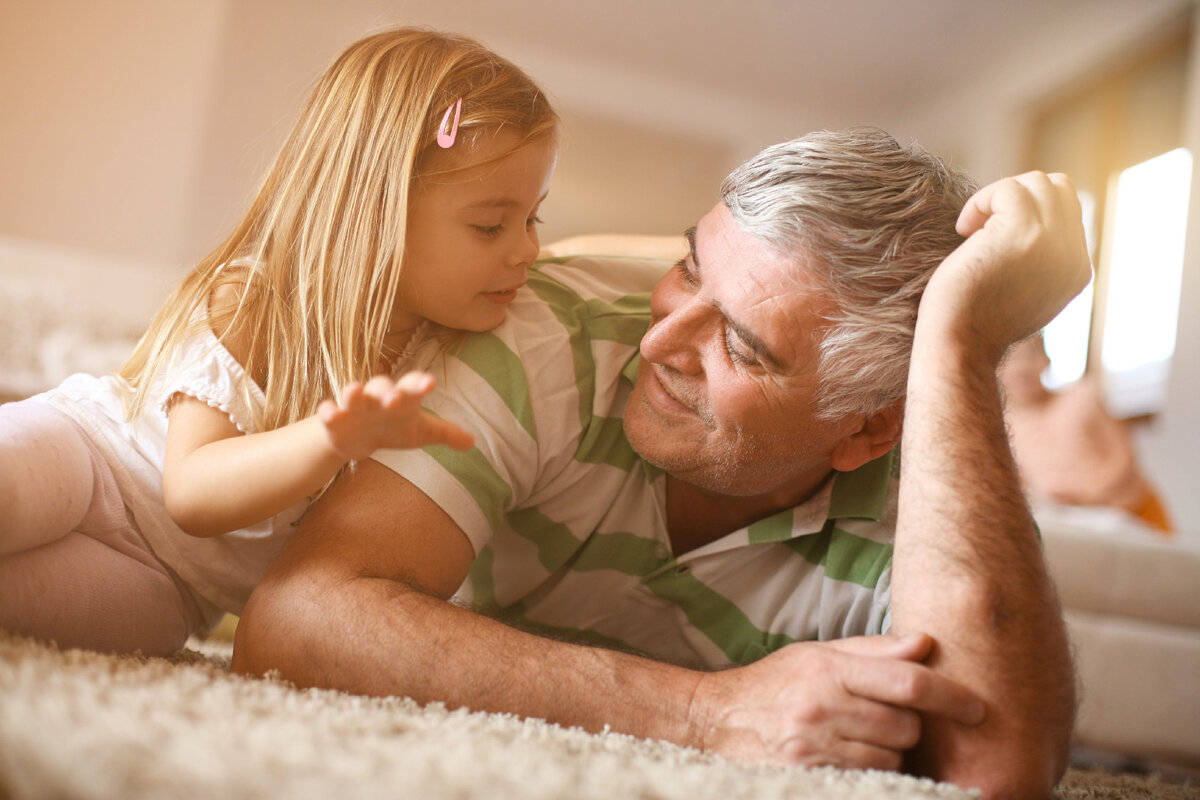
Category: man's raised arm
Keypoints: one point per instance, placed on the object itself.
(968, 566)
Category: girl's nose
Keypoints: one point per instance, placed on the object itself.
(526, 249)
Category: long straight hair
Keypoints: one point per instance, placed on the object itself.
(317, 258)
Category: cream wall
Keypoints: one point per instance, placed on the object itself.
(104, 108)
(1172, 443)
(139, 128)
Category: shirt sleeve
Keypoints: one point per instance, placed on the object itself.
(203, 369)
(484, 386)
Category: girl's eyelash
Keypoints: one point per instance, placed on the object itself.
(495, 230)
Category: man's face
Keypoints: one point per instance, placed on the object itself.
(725, 393)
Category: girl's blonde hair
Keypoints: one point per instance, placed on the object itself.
(324, 237)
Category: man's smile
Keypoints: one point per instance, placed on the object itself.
(664, 399)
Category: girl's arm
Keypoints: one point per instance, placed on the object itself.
(217, 479)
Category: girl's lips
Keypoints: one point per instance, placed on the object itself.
(504, 296)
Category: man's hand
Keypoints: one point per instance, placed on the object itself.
(850, 703)
(1024, 258)
(385, 414)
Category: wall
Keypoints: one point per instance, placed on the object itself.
(139, 129)
(1171, 444)
(104, 109)
(142, 128)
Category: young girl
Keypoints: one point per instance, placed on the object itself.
(137, 509)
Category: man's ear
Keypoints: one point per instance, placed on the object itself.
(879, 433)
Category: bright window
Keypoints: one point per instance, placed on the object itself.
(1066, 337)
(1147, 261)
(1118, 136)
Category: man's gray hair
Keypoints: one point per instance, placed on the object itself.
(873, 220)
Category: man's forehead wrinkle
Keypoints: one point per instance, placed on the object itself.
(782, 318)
(748, 334)
(738, 323)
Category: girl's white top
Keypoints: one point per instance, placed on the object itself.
(221, 569)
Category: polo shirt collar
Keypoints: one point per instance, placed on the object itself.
(860, 494)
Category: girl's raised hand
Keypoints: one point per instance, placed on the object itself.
(383, 413)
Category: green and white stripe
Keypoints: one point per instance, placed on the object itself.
(570, 525)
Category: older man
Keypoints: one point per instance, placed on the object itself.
(728, 498)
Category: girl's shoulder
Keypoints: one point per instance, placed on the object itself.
(222, 306)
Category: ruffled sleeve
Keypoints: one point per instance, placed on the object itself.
(205, 370)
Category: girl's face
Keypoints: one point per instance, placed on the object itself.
(472, 235)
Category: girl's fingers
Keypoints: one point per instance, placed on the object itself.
(439, 431)
(409, 391)
(327, 411)
(417, 383)
(351, 394)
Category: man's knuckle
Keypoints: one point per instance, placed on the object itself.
(810, 713)
(908, 730)
(913, 684)
(799, 751)
(807, 713)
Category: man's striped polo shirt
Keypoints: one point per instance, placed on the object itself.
(569, 524)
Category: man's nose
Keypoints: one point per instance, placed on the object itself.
(676, 335)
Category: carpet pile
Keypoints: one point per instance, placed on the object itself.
(77, 724)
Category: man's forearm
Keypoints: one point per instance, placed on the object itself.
(969, 571)
(379, 637)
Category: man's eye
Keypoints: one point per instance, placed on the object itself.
(686, 274)
(733, 348)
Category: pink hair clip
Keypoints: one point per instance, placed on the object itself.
(447, 131)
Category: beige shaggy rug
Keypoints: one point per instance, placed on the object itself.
(82, 725)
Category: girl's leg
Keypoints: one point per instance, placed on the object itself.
(73, 567)
(46, 475)
(80, 592)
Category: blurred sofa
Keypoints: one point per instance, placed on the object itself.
(1131, 599)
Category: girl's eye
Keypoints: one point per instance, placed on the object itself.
(489, 230)
(684, 273)
(534, 220)
(733, 348)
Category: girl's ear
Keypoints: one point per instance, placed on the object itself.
(879, 433)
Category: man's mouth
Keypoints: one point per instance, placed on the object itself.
(661, 394)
